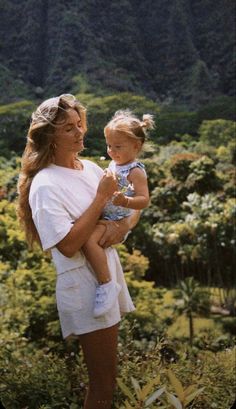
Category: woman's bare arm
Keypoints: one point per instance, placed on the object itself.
(84, 226)
(116, 231)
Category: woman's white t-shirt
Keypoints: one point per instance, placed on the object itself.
(59, 196)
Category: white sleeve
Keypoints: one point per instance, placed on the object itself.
(99, 171)
(51, 219)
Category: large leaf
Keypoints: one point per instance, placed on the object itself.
(193, 396)
(174, 401)
(154, 396)
(126, 390)
(176, 385)
(148, 387)
(127, 405)
(189, 390)
(136, 386)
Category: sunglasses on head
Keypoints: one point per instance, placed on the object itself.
(48, 110)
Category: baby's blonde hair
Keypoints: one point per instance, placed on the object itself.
(126, 122)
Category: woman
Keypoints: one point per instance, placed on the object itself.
(61, 198)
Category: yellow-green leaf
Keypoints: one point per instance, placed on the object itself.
(126, 390)
(189, 390)
(193, 396)
(148, 387)
(136, 386)
(176, 385)
(127, 405)
(174, 401)
(154, 396)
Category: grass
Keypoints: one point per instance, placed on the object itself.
(201, 325)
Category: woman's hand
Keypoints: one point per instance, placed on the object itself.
(107, 185)
(112, 235)
(117, 230)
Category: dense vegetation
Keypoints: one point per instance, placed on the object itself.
(173, 122)
(179, 50)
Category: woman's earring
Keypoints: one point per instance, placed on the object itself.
(54, 146)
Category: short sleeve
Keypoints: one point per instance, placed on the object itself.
(51, 219)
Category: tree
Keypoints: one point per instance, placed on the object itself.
(217, 132)
(193, 299)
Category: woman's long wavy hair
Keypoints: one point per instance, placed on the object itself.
(39, 152)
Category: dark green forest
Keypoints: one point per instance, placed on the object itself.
(172, 59)
(176, 50)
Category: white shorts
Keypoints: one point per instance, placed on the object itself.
(75, 294)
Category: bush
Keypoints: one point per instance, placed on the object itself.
(180, 165)
(222, 107)
(14, 122)
(217, 132)
(40, 378)
(171, 125)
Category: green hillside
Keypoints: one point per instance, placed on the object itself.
(179, 50)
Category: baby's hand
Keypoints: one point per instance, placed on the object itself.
(119, 199)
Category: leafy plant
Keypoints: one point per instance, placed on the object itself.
(141, 398)
(192, 298)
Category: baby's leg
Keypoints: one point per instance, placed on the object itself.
(96, 255)
(107, 291)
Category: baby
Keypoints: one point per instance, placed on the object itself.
(125, 135)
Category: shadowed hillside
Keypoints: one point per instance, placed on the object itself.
(179, 49)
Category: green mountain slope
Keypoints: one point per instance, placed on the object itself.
(178, 49)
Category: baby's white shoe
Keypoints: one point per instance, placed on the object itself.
(106, 296)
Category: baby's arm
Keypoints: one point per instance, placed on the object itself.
(141, 198)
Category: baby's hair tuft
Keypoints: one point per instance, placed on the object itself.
(148, 122)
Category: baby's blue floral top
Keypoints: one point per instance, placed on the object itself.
(112, 212)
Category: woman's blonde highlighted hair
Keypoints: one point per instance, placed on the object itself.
(39, 151)
(126, 122)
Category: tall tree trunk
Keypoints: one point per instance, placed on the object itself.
(190, 317)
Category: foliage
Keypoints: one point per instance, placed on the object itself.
(192, 299)
(14, 121)
(142, 400)
(145, 365)
(33, 378)
(173, 124)
(180, 165)
(204, 234)
(222, 107)
(190, 63)
(39, 378)
(11, 86)
(217, 132)
(202, 177)
(188, 228)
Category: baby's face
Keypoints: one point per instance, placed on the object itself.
(122, 148)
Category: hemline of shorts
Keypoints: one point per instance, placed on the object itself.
(89, 330)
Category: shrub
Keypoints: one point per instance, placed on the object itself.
(180, 165)
(217, 132)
